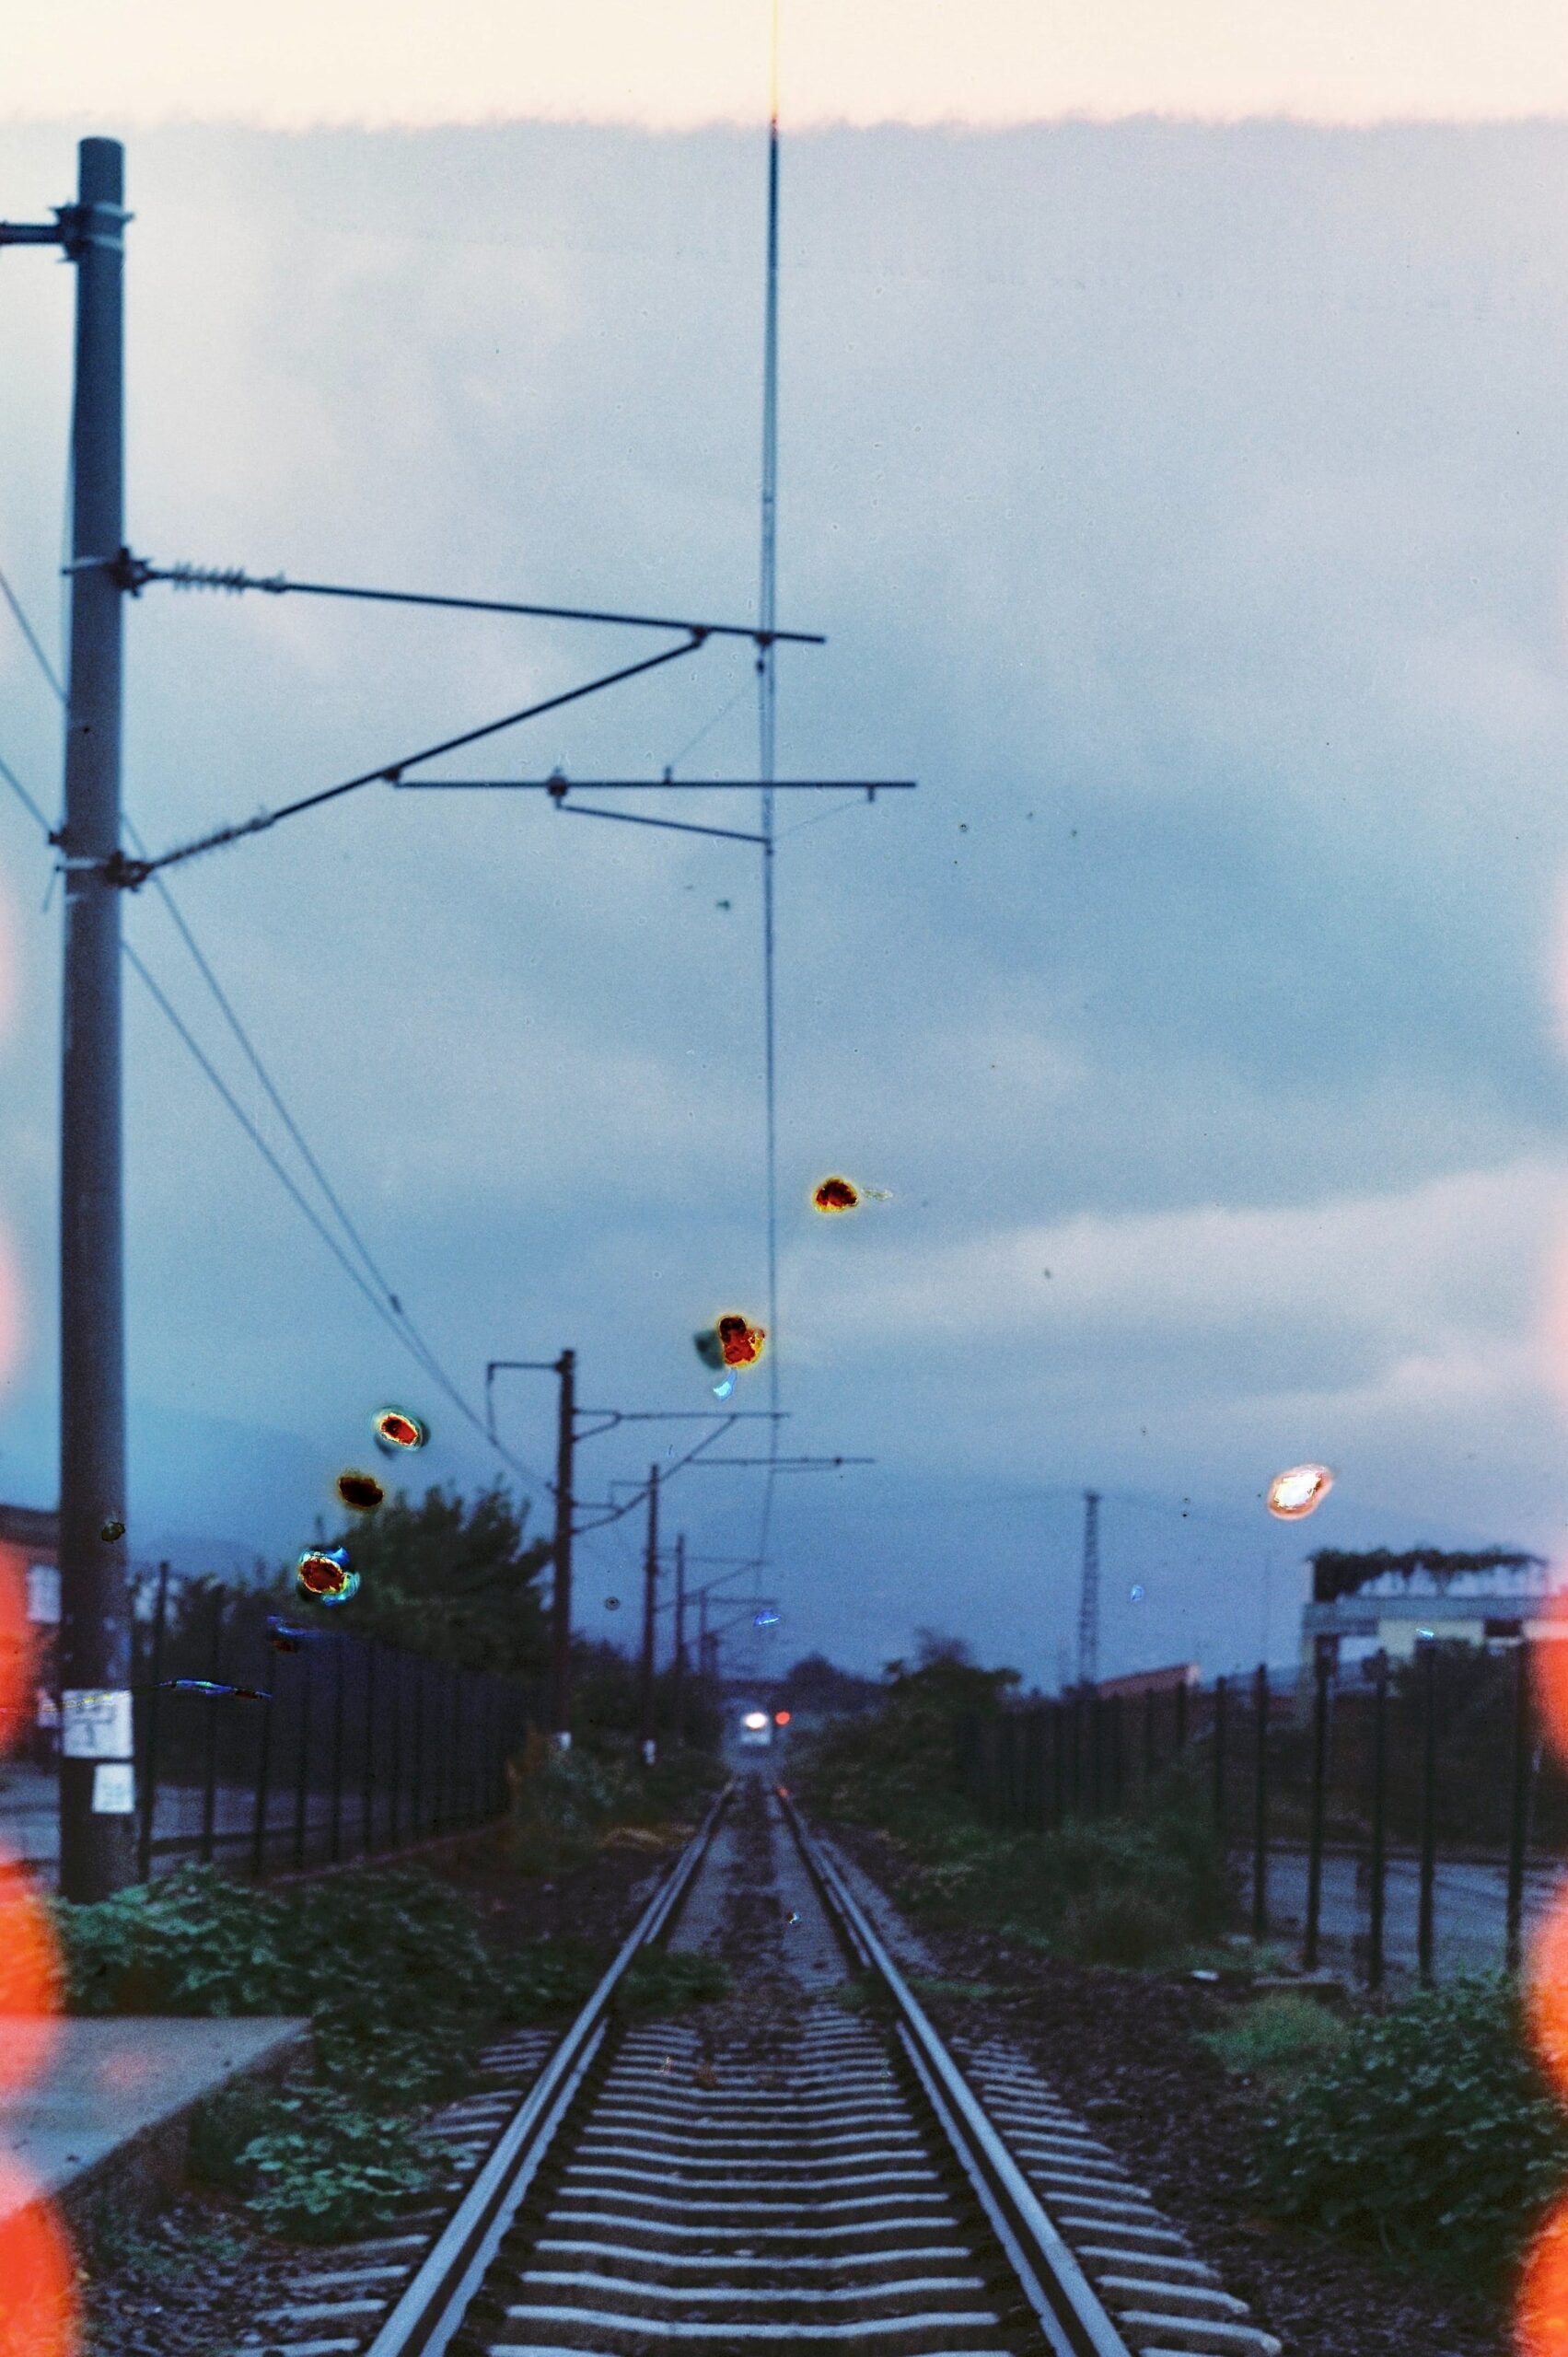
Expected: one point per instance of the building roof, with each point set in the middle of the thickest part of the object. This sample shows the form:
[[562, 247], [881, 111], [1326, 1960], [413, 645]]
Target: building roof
[[35, 1528]]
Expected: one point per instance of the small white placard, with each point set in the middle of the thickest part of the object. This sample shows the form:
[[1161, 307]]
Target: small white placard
[[115, 1788], [43, 1592], [95, 1724]]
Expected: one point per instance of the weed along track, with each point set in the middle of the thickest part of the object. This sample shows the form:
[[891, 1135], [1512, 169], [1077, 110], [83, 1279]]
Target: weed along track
[[803, 2166]]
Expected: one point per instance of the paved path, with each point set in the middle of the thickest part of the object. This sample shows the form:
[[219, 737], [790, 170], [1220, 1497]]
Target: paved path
[[1469, 1910]]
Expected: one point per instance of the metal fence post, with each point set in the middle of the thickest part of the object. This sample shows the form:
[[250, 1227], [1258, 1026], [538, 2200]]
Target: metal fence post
[[302, 1761], [395, 1748], [1379, 1823], [1221, 1696], [416, 1783], [334, 1850], [1148, 1738], [260, 1798], [367, 1798], [149, 1763], [1261, 1805], [210, 1733], [1314, 1826], [1428, 1652], [1518, 1812], [1058, 1763], [1116, 1751]]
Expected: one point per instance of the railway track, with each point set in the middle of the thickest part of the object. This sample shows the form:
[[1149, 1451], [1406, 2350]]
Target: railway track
[[811, 2168]]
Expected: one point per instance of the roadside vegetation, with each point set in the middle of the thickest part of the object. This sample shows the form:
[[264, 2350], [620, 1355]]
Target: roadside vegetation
[[1144, 1887], [398, 1978], [1425, 2131]]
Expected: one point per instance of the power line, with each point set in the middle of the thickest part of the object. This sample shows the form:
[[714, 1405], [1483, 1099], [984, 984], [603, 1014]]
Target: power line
[[45, 666], [421, 1349], [766, 731]]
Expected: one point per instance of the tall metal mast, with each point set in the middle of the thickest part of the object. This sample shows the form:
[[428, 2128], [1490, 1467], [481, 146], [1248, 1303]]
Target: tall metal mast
[[1088, 1595]]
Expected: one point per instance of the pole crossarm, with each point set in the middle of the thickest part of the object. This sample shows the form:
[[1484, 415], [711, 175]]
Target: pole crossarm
[[132, 873], [36, 233], [785, 1464], [141, 571], [558, 786]]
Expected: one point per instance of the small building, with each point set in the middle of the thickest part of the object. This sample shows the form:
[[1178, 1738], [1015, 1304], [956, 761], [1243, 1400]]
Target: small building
[[1138, 1682], [1499, 1603], [29, 1567]]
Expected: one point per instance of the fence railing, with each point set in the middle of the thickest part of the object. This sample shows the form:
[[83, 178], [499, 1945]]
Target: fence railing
[[360, 1747], [1406, 1816]]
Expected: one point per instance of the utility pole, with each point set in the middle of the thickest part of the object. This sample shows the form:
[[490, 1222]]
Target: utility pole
[[561, 1597], [678, 1681], [96, 1823], [1088, 1595], [650, 1585]]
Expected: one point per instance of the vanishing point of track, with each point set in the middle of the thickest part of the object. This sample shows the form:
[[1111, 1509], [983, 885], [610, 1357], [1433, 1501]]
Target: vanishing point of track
[[809, 2168]]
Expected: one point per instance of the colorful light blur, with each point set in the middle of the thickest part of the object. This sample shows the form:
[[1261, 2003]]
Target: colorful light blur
[[1299, 1492], [740, 1342], [326, 1575], [395, 1430], [1541, 2309], [362, 1492], [37, 2273], [836, 1195]]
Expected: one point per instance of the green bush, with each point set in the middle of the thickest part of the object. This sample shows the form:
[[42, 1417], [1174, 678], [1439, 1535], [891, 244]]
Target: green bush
[[398, 1981], [313, 2164], [1431, 2133], [1131, 1889], [657, 1982], [1278, 2038]]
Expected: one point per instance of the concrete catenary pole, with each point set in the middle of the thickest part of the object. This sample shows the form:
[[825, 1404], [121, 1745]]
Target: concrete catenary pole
[[561, 1597], [97, 1820], [650, 1610]]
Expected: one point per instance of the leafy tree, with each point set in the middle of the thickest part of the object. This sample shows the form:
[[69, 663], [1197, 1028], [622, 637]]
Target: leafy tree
[[817, 1684], [453, 1579]]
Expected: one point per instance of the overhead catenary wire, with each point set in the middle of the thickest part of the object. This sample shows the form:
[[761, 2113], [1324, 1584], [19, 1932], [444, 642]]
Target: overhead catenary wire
[[391, 1302]]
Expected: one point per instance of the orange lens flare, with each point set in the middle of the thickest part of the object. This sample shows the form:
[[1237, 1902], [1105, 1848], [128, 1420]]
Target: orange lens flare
[[1549, 1664], [1299, 1492], [38, 2275], [1541, 2323]]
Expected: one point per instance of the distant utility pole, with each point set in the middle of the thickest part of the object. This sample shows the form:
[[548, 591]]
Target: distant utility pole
[[650, 1606], [97, 1851], [564, 1369], [678, 1679], [561, 1594], [1088, 1595]]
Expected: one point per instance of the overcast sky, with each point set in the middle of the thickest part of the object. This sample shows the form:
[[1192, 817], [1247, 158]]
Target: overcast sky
[[1185, 505]]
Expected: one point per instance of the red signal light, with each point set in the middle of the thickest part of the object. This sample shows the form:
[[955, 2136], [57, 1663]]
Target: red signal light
[[781, 1718]]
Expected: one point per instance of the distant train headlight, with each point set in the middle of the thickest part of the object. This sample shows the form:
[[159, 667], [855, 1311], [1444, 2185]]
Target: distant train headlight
[[755, 1719]]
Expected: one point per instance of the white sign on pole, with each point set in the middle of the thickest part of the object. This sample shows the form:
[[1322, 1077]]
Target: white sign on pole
[[115, 1788], [95, 1724], [43, 1592]]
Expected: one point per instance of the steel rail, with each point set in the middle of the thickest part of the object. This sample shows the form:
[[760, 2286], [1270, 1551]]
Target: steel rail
[[431, 2308], [1067, 2308]]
